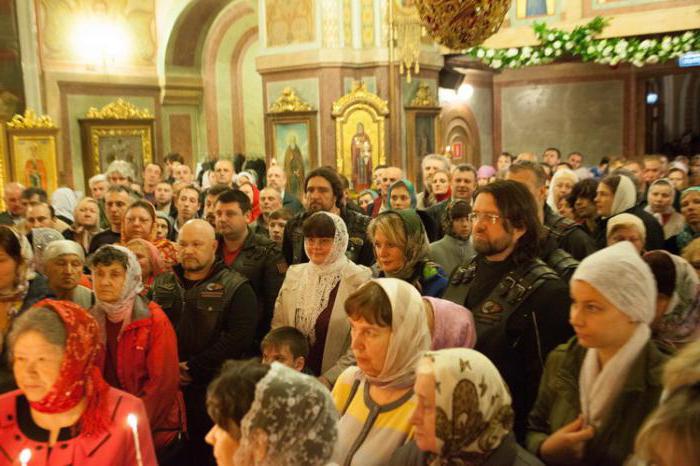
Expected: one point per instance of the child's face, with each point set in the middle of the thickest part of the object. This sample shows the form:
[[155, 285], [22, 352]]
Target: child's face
[[283, 355]]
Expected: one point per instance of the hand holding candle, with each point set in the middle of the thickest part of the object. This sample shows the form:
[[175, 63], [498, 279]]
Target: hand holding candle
[[132, 420]]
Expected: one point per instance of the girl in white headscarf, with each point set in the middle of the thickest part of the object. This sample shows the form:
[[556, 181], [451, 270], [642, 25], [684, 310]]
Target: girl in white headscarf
[[464, 414], [560, 186], [376, 399], [312, 296], [598, 388]]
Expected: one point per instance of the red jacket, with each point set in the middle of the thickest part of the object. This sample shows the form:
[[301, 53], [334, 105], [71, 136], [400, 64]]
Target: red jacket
[[148, 367], [115, 447]]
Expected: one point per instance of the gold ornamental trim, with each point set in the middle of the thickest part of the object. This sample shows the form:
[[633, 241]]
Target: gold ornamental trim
[[360, 95], [424, 96], [289, 101], [30, 120], [119, 110]]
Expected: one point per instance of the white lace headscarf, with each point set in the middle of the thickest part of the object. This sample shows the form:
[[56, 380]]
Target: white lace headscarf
[[297, 415], [121, 310], [318, 280], [620, 274], [472, 402]]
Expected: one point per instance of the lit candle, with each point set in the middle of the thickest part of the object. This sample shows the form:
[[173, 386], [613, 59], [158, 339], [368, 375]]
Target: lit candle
[[24, 456], [133, 422]]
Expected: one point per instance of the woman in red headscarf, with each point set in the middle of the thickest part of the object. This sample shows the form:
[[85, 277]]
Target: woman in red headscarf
[[63, 411], [140, 222], [149, 259], [254, 195]]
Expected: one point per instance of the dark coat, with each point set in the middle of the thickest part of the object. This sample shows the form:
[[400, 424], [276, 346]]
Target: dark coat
[[291, 203], [558, 403]]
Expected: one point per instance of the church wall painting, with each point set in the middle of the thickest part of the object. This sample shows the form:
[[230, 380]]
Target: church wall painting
[[289, 22], [11, 83], [33, 158], [292, 145]]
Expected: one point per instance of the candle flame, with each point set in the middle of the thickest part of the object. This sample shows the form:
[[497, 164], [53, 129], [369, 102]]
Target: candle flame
[[132, 420], [25, 455]]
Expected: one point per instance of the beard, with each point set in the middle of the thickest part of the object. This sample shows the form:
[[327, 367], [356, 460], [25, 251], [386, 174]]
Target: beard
[[490, 247]]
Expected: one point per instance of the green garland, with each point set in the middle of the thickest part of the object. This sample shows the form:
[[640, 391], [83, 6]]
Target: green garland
[[555, 44]]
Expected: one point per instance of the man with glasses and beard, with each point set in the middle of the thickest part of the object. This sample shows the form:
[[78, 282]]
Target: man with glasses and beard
[[323, 190], [520, 306]]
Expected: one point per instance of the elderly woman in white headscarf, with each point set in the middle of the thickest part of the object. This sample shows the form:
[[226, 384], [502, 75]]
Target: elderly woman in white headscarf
[[677, 320], [453, 386], [313, 294], [617, 194], [560, 186], [627, 227], [598, 388], [40, 239], [270, 416], [375, 398], [63, 263]]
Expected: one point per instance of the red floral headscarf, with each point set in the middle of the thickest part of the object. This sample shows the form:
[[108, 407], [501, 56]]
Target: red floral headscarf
[[79, 376], [255, 211]]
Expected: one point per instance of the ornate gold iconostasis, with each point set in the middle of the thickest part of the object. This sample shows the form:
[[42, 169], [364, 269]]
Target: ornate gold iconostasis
[[117, 131], [359, 134], [31, 151]]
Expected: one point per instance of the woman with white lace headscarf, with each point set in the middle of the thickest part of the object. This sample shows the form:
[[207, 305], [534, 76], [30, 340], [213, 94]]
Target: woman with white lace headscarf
[[270, 416], [312, 296], [560, 187], [598, 388]]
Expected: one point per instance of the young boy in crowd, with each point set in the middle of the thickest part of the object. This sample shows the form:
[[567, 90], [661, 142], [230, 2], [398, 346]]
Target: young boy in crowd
[[285, 345]]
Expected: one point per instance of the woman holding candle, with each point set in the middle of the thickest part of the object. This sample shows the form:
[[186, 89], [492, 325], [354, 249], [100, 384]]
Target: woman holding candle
[[140, 344], [64, 412]]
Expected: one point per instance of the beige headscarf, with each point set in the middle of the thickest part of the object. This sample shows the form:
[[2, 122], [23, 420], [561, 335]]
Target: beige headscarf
[[410, 336], [473, 405]]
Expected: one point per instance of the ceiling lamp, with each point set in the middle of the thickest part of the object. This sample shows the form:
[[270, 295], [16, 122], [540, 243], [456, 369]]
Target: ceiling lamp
[[460, 24]]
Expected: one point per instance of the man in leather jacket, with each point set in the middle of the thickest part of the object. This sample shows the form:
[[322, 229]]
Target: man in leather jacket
[[520, 305], [215, 314]]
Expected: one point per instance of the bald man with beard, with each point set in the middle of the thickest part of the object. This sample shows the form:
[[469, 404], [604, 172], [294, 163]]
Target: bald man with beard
[[215, 314]]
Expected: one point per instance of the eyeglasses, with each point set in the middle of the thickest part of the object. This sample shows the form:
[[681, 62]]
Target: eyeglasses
[[483, 217]]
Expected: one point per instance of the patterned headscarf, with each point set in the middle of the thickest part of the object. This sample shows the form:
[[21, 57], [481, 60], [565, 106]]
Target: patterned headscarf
[[298, 416], [64, 200], [157, 264], [473, 405], [121, 310], [41, 238], [410, 335], [24, 272], [79, 376], [417, 247], [318, 281], [166, 248]]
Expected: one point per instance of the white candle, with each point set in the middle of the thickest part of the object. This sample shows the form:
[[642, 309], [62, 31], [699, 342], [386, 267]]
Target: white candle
[[24, 456], [132, 420]]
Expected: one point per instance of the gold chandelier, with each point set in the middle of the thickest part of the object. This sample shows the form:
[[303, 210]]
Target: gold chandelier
[[405, 34], [459, 24]]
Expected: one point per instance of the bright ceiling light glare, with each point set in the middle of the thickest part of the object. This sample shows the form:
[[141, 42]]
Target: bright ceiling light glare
[[652, 98], [100, 42], [465, 92], [446, 95]]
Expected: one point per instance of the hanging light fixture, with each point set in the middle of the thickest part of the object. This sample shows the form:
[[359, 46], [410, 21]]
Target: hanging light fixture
[[459, 24], [405, 34]]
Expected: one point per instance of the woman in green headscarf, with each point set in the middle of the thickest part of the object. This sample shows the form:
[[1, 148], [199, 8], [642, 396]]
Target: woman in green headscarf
[[401, 248]]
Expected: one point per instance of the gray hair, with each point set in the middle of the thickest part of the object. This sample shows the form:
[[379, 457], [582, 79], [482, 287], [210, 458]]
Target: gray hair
[[97, 179], [123, 168], [438, 158], [42, 320]]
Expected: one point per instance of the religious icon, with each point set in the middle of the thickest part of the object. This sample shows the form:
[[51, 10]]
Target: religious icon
[[294, 165], [361, 150], [34, 170]]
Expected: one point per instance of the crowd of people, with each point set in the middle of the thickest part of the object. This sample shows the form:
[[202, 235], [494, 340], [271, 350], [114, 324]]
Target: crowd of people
[[531, 312]]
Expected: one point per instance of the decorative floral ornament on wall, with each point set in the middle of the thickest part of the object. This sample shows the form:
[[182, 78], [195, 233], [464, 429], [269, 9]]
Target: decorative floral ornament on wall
[[581, 43]]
